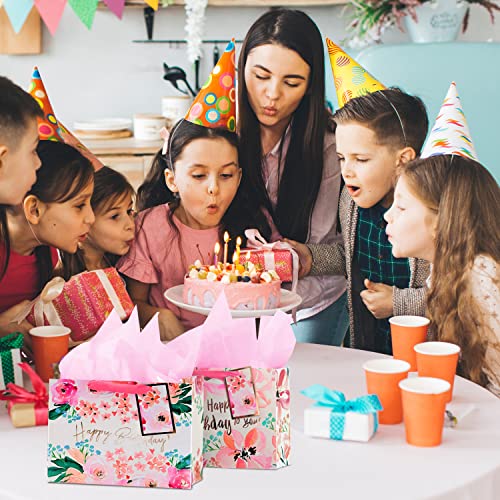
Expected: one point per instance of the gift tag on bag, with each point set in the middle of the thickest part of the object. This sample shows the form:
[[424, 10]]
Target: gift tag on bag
[[241, 394]]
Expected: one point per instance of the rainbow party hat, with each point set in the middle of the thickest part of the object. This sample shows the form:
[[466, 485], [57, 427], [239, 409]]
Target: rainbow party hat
[[351, 79], [450, 134], [49, 128], [215, 104]]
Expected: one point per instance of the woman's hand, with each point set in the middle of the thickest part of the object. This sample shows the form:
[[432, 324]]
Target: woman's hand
[[378, 299], [305, 257], [170, 326]]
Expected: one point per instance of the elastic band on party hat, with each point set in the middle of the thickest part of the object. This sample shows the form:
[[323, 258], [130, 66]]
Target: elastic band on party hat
[[215, 104], [450, 134], [351, 79], [399, 118]]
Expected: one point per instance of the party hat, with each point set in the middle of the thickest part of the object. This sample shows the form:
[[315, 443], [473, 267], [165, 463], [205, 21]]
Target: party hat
[[49, 128], [215, 104], [351, 79], [450, 134]]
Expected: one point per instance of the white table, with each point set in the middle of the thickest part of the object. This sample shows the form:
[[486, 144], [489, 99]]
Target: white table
[[465, 466]]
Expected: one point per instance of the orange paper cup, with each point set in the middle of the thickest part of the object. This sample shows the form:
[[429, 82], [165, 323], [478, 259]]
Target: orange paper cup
[[438, 360], [382, 378], [50, 344], [424, 403], [406, 332]]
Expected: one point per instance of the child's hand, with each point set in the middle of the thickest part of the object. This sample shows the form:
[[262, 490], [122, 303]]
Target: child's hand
[[305, 257], [8, 320], [378, 299], [170, 326]]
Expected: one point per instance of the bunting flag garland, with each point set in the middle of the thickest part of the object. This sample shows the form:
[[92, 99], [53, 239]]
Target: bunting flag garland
[[17, 11], [51, 10]]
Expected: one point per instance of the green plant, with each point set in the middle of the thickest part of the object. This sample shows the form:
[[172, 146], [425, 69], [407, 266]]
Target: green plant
[[368, 19]]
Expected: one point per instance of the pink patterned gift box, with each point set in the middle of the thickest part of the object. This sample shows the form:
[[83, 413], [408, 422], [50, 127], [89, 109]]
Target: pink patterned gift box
[[100, 435], [272, 260], [82, 303], [246, 421]]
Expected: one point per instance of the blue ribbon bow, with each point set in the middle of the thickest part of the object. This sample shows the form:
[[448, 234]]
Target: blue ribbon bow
[[339, 406]]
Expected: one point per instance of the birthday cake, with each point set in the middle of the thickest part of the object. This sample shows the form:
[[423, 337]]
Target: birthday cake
[[247, 287]]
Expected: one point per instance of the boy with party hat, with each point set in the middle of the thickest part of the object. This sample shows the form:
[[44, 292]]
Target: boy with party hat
[[378, 129], [49, 128]]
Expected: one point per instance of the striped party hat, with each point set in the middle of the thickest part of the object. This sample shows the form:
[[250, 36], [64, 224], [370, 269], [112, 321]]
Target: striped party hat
[[450, 134], [351, 79]]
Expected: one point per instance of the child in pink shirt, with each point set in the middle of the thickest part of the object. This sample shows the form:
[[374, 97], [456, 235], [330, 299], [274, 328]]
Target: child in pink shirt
[[181, 222]]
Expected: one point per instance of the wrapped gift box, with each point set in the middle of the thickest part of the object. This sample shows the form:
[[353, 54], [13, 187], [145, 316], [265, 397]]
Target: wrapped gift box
[[82, 303], [332, 417], [10, 357], [272, 260]]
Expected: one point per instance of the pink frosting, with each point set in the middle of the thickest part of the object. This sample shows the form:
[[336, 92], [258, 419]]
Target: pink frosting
[[243, 296]]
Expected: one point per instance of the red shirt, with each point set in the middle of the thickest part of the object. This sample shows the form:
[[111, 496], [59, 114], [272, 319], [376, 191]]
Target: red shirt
[[21, 279]]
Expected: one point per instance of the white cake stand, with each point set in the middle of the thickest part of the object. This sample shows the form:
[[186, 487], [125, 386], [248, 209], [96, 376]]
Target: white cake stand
[[288, 301]]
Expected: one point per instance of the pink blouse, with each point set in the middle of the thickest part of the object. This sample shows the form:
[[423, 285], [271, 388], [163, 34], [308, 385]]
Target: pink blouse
[[317, 292], [160, 257]]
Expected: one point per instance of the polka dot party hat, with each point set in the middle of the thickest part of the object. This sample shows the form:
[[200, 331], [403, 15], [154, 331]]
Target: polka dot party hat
[[49, 128], [215, 104], [351, 79], [450, 134]]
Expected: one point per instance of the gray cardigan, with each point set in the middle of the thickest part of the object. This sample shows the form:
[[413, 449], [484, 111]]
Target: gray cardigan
[[338, 259]]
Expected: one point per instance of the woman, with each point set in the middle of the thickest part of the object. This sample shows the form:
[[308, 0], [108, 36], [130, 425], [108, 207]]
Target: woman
[[288, 154]]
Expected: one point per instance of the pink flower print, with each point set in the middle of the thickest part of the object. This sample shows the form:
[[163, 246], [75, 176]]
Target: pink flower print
[[122, 468], [64, 391], [179, 478], [125, 420], [283, 399], [244, 403], [134, 415], [247, 452], [122, 403], [75, 476], [138, 454], [119, 451], [157, 421], [154, 479], [106, 416], [140, 466], [109, 456], [236, 383], [77, 455], [149, 399], [156, 462], [263, 383], [97, 470], [84, 408], [105, 405]]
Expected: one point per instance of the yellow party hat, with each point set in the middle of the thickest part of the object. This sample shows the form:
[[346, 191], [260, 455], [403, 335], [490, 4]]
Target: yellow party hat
[[351, 79]]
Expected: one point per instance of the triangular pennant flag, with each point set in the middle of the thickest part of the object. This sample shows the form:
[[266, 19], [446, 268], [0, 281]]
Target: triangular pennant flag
[[215, 104], [450, 134], [116, 6], [51, 12], [152, 3], [17, 11], [351, 79], [49, 128], [85, 10]]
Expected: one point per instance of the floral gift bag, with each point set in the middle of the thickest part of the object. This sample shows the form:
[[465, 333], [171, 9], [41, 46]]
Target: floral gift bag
[[150, 437], [247, 419], [127, 433]]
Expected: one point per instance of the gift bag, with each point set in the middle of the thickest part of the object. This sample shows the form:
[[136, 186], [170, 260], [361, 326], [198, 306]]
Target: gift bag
[[10, 357], [82, 303], [142, 433], [278, 256], [126, 434], [246, 420]]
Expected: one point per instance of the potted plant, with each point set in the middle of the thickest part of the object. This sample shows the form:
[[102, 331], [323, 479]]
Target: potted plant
[[425, 20]]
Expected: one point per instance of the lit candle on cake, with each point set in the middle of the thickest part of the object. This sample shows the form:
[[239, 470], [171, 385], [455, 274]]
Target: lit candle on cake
[[235, 258], [216, 253], [226, 240], [238, 244]]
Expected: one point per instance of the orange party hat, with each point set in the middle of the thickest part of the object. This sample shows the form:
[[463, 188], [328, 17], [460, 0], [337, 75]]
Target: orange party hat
[[351, 79], [49, 128], [215, 104]]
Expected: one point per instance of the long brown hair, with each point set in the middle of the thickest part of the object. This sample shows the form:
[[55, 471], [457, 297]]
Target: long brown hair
[[466, 198], [110, 188], [303, 170]]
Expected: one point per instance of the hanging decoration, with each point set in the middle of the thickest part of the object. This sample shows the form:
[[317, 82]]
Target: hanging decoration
[[195, 24], [51, 10]]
